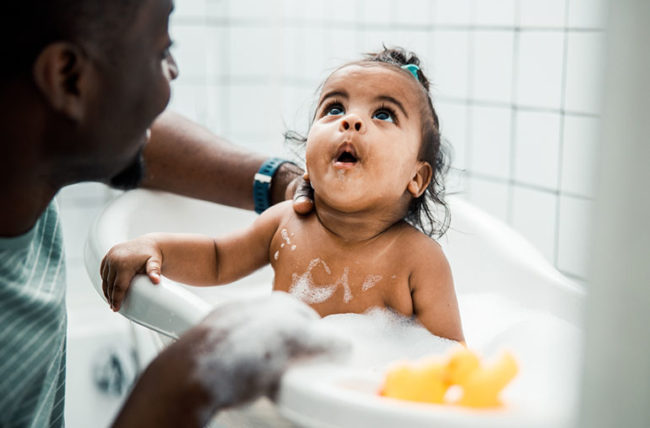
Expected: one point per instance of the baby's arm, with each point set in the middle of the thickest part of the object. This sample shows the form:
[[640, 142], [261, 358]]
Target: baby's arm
[[432, 291], [190, 259]]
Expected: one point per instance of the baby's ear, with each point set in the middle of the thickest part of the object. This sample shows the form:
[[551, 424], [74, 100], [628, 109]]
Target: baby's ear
[[420, 180]]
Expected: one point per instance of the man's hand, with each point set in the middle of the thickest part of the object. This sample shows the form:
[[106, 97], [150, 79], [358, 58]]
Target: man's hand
[[236, 354], [252, 342], [290, 183], [302, 194]]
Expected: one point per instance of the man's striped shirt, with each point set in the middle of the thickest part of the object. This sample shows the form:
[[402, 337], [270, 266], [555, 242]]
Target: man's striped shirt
[[33, 325]]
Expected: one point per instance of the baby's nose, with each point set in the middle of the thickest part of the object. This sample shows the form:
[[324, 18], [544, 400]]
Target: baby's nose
[[352, 122]]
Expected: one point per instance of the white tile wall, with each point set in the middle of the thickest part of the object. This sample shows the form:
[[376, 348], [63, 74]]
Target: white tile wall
[[376, 12], [490, 141], [253, 9], [251, 52], [413, 12], [450, 63], [585, 64], [537, 148], [516, 83], [340, 11], [539, 78], [587, 14], [492, 65], [451, 12], [453, 128], [542, 13], [188, 98], [191, 7], [574, 235], [579, 156], [495, 12]]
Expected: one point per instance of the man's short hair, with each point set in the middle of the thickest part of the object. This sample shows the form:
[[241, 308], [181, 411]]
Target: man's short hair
[[30, 25]]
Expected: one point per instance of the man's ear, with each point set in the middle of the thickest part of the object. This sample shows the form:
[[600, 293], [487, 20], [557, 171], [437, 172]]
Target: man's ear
[[420, 179], [61, 71]]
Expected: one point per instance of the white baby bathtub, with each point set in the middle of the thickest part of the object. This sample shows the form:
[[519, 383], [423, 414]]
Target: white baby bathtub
[[510, 298]]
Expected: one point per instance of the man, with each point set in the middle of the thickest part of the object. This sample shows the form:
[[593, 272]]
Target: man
[[81, 85]]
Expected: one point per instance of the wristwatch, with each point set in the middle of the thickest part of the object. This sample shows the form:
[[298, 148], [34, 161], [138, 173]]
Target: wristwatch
[[262, 183]]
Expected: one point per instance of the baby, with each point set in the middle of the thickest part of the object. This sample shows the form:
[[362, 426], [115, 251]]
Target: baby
[[373, 159]]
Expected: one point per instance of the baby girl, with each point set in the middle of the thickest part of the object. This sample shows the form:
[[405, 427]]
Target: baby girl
[[374, 161]]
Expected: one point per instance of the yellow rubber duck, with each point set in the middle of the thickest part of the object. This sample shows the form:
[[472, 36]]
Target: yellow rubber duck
[[481, 385], [428, 381], [423, 382]]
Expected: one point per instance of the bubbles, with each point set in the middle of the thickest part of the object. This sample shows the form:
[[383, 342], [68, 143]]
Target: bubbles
[[370, 281], [251, 341], [382, 336], [304, 288], [285, 236], [347, 292], [302, 285]]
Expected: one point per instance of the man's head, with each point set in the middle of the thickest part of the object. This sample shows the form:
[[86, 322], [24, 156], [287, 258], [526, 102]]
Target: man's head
[[91, 75]]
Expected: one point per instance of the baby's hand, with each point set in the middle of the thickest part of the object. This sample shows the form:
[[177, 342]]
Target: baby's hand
[[123, 262]]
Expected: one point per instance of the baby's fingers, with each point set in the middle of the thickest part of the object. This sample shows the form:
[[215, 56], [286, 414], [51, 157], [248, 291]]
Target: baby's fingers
[[109, 279], [153, 269], [103, 272], [118, 291]]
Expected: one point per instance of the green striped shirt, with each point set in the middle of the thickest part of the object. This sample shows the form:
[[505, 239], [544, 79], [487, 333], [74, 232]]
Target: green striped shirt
[[33, 326]]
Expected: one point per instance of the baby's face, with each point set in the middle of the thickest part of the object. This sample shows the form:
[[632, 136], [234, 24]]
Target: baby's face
[[362, 149]]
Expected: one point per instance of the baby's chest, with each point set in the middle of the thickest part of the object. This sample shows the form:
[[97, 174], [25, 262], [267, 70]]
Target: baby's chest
[[335, 280]]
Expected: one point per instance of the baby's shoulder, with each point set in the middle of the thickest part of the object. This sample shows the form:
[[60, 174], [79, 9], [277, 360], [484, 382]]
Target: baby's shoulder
[[422, 248], [280, 212]]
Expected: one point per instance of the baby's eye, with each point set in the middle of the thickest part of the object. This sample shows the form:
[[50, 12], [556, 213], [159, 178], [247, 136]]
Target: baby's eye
[[384, 114], [334, 110]]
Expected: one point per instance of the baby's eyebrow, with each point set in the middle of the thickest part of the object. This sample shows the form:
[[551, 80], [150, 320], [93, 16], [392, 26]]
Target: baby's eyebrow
[[393, 101], [335, 93]]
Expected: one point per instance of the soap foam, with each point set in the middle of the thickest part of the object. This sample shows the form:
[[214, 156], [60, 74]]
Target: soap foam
[[381, 336], [302, 285], [251, 341], [347, 292], [285, 236], [370, 281]]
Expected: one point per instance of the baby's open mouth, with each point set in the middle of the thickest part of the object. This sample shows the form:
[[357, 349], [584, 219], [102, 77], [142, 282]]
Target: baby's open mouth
[[346, 157]]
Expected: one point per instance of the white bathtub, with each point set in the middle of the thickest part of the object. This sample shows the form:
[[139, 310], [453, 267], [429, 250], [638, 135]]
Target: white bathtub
[[510, 298]]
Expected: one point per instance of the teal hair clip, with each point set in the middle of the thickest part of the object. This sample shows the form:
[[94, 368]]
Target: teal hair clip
[[413, 69]]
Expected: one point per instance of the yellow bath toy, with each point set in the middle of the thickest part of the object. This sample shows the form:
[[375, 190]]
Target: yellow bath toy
[[423, 382], [428, 381], [481, 385]]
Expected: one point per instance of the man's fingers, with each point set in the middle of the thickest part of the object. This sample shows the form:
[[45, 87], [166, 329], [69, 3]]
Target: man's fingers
[[303, 197]]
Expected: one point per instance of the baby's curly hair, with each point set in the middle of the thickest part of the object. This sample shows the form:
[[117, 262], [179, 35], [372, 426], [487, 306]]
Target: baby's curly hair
[[428, 213]]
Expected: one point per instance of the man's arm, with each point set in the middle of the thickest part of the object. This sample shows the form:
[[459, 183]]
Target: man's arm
[[236, 354], [185, 158]]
